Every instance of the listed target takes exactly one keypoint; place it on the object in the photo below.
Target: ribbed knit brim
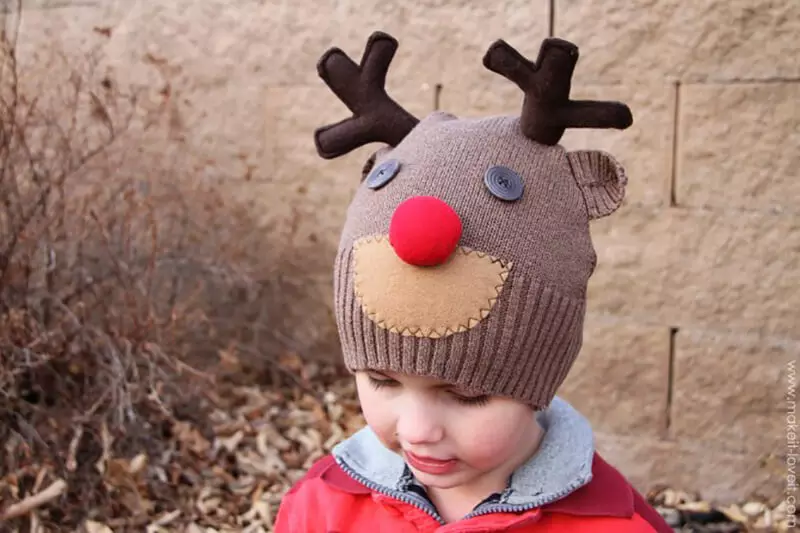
(523, 350)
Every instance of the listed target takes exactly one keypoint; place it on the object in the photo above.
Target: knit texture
(466, 251)
(526, 345)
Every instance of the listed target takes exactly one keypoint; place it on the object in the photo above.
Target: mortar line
(437, 96)
(676, 128)
(774, 210)
(745, 81)
(673, 332)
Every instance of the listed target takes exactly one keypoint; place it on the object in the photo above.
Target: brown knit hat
(466, 250)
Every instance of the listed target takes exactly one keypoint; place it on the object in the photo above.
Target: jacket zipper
(414, 501)
(509, 508)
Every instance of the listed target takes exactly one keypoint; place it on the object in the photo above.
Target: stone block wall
(695, 306)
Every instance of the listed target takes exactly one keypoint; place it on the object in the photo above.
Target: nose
(424, 231)
(418, 425)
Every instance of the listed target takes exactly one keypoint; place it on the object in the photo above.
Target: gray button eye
(383, 173)
(503, 183)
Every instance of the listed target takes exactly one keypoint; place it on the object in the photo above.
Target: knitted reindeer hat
(466, 250)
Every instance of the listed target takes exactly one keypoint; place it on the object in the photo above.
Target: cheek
(497, 438)
(377, 413)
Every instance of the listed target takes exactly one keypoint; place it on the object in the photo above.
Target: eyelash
(380, 383)
(476, 401)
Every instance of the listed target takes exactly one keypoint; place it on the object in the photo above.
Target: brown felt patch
(426, 301)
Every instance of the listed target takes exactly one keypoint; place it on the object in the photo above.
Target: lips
(430, 465)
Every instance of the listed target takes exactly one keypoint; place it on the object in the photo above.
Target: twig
(121, 268)
(72, 462)
(30, 503)
(30, 432)
(35, 526)
(177, 364)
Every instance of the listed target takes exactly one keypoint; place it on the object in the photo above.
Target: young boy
(460, 288)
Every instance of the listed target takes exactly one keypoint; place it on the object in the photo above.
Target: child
(460, 288)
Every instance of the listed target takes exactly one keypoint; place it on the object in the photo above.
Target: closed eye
(480, 400)
(379, 383)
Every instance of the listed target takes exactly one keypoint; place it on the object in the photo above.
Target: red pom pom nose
(424, 231)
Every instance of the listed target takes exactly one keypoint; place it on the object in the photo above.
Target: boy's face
(449, 439)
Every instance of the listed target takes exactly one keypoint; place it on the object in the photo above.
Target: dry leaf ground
(227, 472)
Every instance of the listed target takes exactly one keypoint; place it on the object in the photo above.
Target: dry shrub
(128, 286)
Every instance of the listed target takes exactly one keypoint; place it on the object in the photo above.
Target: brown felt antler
(376, 117)
(547, 110)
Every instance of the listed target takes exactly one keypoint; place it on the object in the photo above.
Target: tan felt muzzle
(434, 301)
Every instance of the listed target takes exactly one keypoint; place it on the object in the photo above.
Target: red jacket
(328, 500)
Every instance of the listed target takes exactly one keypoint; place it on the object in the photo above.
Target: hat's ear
(601, 179)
